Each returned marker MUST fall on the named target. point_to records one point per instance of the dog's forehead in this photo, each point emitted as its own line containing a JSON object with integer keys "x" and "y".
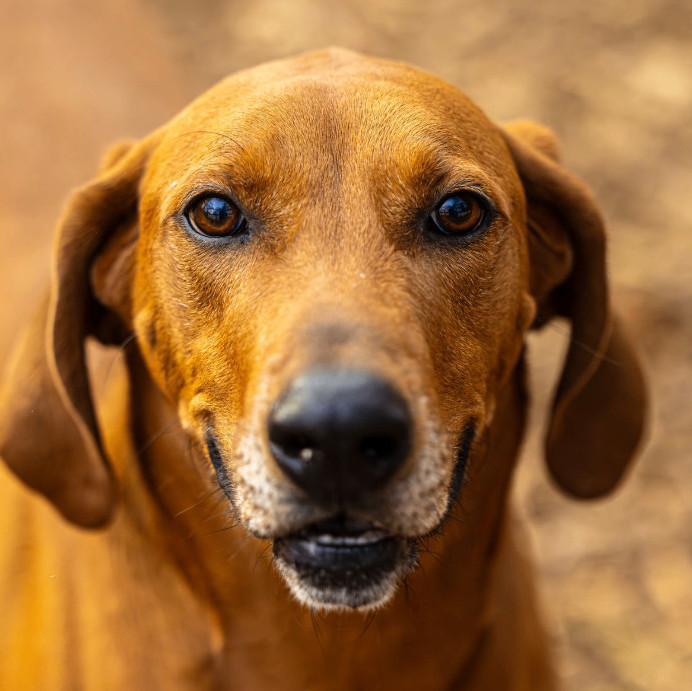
{"x": 333, "y": 106}
{"x": 344, "y": 83}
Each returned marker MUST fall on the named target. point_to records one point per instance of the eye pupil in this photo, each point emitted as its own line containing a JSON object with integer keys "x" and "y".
{"x": 456, "y": 209}
{"x": 215, "y": 216}
{"x": 216, "y": 210}
{"x": 459, "y": 214}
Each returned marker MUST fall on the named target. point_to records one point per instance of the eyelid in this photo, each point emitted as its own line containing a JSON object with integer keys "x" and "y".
{"x": 197, "y": 195}
{"x": 473, "y": 191}
{"x": 460, "y": 177}
{"x": 469, "y": 188}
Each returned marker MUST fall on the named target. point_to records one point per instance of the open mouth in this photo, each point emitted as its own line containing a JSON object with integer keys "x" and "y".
{"x": 341, "y": 562}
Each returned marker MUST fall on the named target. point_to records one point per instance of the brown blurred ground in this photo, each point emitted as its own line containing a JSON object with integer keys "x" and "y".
{"x": 613, "y": 78}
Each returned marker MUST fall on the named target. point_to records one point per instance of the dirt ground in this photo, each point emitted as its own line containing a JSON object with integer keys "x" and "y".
{"x": 613, "y": 78}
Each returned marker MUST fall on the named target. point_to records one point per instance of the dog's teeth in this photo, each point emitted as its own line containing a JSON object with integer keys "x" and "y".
{"x": 367, "y": 538}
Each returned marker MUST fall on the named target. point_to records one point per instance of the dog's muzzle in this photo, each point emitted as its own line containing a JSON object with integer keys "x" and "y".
{"x": 340, "y": 435}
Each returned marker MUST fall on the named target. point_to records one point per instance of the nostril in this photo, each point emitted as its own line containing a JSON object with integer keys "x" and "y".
{"x": 296, "y": 445}
{"x": 377, "y": 448}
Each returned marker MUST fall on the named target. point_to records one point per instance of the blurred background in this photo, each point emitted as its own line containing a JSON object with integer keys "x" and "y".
{"x": 613, "y": 79}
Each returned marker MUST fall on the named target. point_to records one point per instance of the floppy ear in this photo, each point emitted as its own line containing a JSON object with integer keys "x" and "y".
{"x": 600, "y": 403}
{"x": 48, "y": 431}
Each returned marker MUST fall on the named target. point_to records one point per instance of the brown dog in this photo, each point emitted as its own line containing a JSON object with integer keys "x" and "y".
{"x": 323, "y": 272}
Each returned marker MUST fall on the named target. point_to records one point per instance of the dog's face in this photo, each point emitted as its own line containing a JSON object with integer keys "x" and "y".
{"x": 332, "y": 283}
{"x": 327, "y": 266}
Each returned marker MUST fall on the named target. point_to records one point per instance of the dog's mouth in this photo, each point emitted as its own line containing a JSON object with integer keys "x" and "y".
{"x": 343, "y": 563}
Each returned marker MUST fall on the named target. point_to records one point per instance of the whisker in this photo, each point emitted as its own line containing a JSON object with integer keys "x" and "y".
{"x": 119, "y": 349}
{"x": 427, "y": 550}
{"x": 225, "y": 512}
{"x": 238, "y": 551}
{"x": 568, "y": 334}
{"x": 409, "y": 592}
{"x": 223, "y": 530}
{"x": 127, "y": 341}
{"x": 260, "y": 557}
{"x": 368, "y": 623}
{"x": 152, "y": 439}
{"x": 205, "y": 496}
{"x": 316, "y": 629}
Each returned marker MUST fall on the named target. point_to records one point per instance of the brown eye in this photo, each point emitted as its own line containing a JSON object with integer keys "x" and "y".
{"x": 461, "y": 213}
{"x": 215, "y": 216}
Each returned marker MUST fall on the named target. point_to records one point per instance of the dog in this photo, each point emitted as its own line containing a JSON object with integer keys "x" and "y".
{"x": 321, "y": 276}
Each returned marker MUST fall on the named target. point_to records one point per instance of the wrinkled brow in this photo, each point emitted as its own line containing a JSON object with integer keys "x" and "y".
{"x": 416, "y": 174}
{"x": 248, "y": 168}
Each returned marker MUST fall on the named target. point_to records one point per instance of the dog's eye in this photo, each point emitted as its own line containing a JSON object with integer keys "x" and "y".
{"x": 215, "y": 216}
{"x": 460, "y": 213}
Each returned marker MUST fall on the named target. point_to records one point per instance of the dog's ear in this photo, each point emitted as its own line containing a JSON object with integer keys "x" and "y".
{"x": 48, "y": 431}
{"x": 600, "y": 403}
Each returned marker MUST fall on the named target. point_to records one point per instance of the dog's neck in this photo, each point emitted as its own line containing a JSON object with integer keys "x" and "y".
{"x": 446, "y": 611}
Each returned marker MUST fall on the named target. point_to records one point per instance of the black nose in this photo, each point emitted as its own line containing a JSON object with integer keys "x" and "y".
{"x": 339, "y": 433}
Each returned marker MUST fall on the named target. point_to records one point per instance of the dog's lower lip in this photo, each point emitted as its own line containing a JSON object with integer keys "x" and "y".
{"x": 339, "y": 546}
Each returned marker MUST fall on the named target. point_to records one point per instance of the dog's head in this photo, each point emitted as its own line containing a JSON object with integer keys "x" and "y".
{"x": 330, "y": 264}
